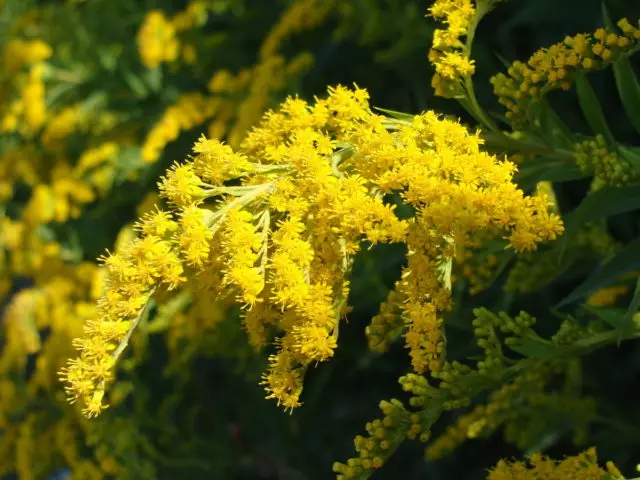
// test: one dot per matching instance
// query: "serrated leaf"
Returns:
(592, 110)
(599, 204)
(625, 261)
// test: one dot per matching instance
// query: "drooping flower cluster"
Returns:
(276, 226)
(557, 67)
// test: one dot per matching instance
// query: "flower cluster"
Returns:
(34, 441)
(557, 66)
(24, 60)
(157, 40)
(276, 225)
(227, 115)
(190, 110)
(448, 54)
(384, 438)
(583, 466)
(607, 166)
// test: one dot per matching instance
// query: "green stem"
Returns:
(472, 102)
(248, 197)
(580, 347)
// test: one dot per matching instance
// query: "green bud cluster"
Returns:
(609, 168)
(388, 325)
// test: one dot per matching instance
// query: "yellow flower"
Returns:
(276, 224)
(448, 54)
(19, 53)
(558, 66)
(181, 186)
(194, 235)
(190, 110)
(607, 295)
(156, 40)
(583, 466)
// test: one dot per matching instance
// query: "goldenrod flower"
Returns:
(557, 66)
(156, 40)
(448, 53)
(276, 225)
(583, 466)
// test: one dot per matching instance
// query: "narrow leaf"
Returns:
(626, 80)
(607, 18)
(546, 169)
(613, 316)
(625, 261)
(530, 347)
(592, 110)
(602, 203)
(631, 154)
(136, 85)
(554, 127)
(634, 306)
(628, 89)
(503, 60)
(395, 114)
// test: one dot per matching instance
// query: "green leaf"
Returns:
(628, 89)
(626, 80)
(607, 18)
(592, 109)
(554, 127)
(153, 77)
(506, 64)
(394, 114)
(546, 169)
(631, 154)
(128, 161)
(613, 316)
(530, 347)
(634, 306)
(58, 91)
(135, 83)
(599, 204)
(625, 261)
